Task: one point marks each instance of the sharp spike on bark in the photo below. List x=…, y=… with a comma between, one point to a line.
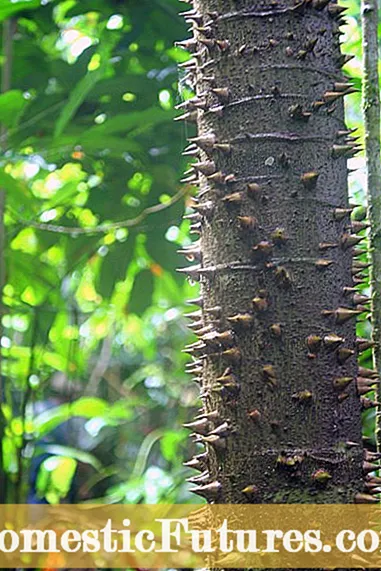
x=192, y=272
x=191, y=152
x=234, y=198
x=344, y=353
x=364, y=344
x=253, y=189
x=371, y=456
x=223, y=429
x=250, y=490
x=214, y=338
x=342, y=397
x=368, y=403
x=196, y=325
x=191, y=117
x=232, y=354
x=215, y=440
x=209, y=491
x=361, y=299
x=216, y=310
x=195, y=228
x=322, y=263
x=283, y=276
x=260, y=304
x=223, y=44
x=342, y=382
x=203, y=478
x=341, y=213
x=263, y=248
x=372, y=486
x=332, y=340
x=368, y=373
x=365, y=499
x=201, y=426
x=223, y=147
x=193, y=463
x=341, y=151
x=221, y=92
x=314, y=342
x=343, y=86
x=327, y=245
x=255, y=415
x=374, y=480
x=212, y=415
x=196, y=345
x=247, y=222
x=343, y=59
x=309, y=179
x=349, y=240
x=375, y=491
x=269, y=374
x=208, y=42
x=360, y=265
x=342, y=314
x=276, y=329
x=189, y=44
x=241, y=319
x=194, y=314
x=206, y=168
x=303, y=396
x=358, y=226
x=369, y=383
x=217, y=110
x=197, y=301
x=205, y=141
x=191, y=179
x=336, y=10
x=205, y=208
x=195, y=216
x=321, y=476
x=218, y=177
x=349, y=290
x=279, y=236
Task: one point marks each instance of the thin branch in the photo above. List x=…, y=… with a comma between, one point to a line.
x=104, y=228
x=371, y=113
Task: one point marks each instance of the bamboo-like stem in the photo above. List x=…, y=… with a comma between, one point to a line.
x=371, y=113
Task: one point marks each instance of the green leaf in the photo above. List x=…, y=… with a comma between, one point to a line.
x=76, y=98
x=55, y=477
x=170, y=442
x=142, y=120
x=87, y=407
x=12, y=104
x=70, y=452
x=18, y=194
x=142, y=291
x=9, y=8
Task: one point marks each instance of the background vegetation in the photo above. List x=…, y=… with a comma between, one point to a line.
x=93, y=380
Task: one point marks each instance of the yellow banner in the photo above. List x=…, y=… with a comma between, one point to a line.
x=190, y=536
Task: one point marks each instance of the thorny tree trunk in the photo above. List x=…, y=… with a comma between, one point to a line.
x=276, y=355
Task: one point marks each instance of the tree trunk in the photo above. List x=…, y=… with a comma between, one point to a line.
x=276, y=355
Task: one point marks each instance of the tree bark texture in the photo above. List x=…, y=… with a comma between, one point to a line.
x=276, y=357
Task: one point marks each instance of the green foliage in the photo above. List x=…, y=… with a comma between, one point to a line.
x=92, y=331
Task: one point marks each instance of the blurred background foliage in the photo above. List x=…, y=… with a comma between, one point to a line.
x=93, y=385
